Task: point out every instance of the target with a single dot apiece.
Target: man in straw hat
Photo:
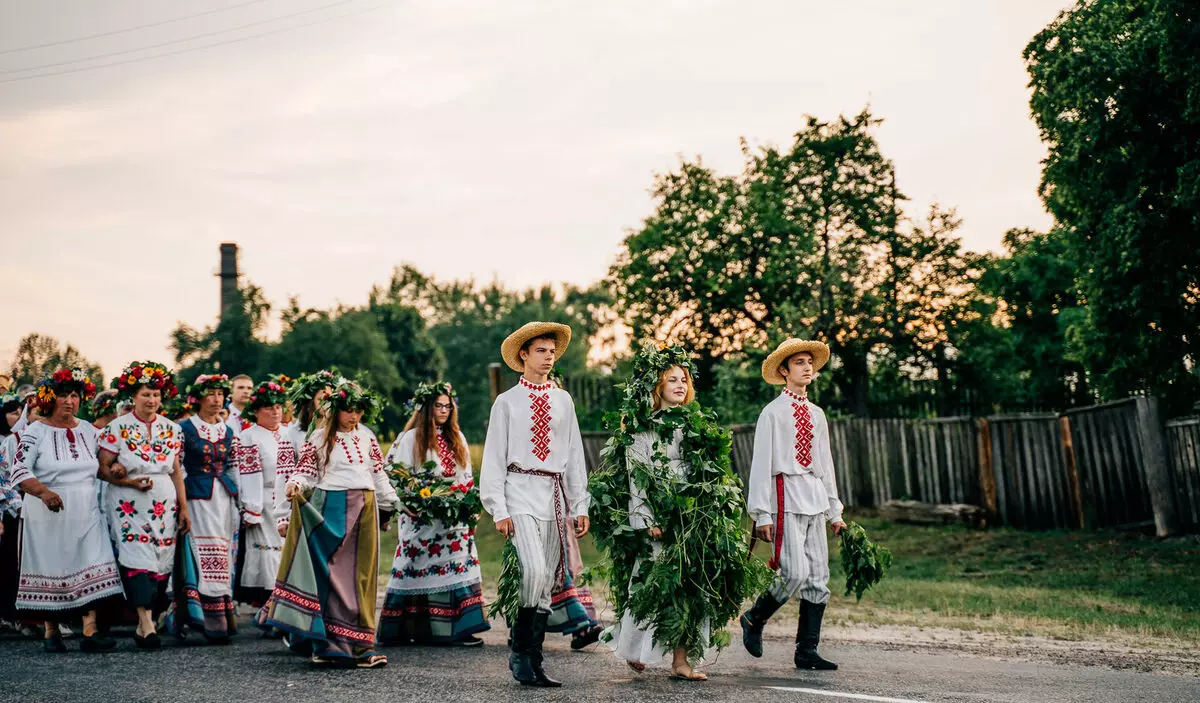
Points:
(792, 494)
(533, 481)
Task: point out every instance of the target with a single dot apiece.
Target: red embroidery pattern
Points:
(444, 456)
(213, 555)
(540, 389)
(307, 465)
(357, 450)
(804, 433)
(376, 455)
(349, 634)
(540, 437)
(248, 461)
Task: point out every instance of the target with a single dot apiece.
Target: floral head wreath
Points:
(62, 382)
(7, 399)
(307, 386)
(648, 364)
(272, 391)
(175, 408)
(353, 395)
(106, 403)
(425, 391)
(207, 383)
(145, 374)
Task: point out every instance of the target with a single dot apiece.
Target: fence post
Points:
(1068, 450)
(494, 380)
(987, 474)
(1153, 440)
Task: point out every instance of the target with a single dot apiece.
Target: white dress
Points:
(264, 459)
(631, 641)
(214, 513)
(432, 558)
(66, 559)
(142, 524)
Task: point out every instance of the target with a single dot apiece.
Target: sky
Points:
(336, 139)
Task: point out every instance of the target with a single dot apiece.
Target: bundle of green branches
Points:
(508, 588)
(704, 571)
(864, 561)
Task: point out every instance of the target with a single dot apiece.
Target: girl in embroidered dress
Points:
(203, 577)
(324, 596)
(265, 457)
(434, 595)
(10, 512)
(67, 564)
(139, 458)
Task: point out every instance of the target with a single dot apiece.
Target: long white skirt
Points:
(214, 534)
(264, 548)
(633, 642)
(142, 524)
(66, 559)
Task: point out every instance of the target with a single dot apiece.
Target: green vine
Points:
(704, 570)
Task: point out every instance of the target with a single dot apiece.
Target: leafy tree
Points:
(234, 345)
(40, 354)
(1115, 98)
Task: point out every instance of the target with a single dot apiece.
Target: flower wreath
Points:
(307, 386)
(106, 403)
(272, 391)
(353, 395)
(150, 374)
(207, 383)
(176, 407)
(425, 391)
(703, 572)
(61, 382)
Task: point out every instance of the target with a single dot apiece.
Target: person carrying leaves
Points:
(792, 493)
(534, 485)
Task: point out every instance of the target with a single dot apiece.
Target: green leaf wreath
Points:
(704, 571)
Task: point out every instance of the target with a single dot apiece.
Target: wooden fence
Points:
(1115, 465)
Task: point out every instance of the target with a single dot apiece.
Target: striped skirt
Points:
(441, 617)
(324, 597)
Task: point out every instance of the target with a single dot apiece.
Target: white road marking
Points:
(839, 694)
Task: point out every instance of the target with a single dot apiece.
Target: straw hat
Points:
(791, 347)
(511, 349)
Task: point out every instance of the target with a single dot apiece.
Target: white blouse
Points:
(535, 428)
(642, 451)
(355, 463)
(56, 456)
(265, 458)
(143, 448)
(792, 439)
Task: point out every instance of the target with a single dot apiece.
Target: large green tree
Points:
(40, 354)
(233, 346)
(1116, 95)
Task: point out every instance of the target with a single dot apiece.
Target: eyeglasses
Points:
(443, 406)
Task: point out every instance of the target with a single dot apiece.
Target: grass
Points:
(1069, 585)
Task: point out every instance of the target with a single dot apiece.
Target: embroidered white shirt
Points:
(356, 462)
(264, 460)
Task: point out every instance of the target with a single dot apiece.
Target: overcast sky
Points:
(456, 136)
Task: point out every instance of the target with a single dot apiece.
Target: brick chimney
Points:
(229, 274)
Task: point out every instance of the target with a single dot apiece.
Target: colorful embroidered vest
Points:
(204, 462)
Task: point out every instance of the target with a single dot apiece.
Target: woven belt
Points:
(560, 497)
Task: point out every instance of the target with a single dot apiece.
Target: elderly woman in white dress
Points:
(67, 565)
(434, 594)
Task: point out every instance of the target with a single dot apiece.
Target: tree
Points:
(39, 354)
(1115, 98)
(234, 345)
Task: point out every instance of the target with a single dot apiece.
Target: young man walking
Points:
(792, 494)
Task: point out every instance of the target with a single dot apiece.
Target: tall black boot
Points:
(808, 636)
(754, 619)
(535, 654)
(519, 661)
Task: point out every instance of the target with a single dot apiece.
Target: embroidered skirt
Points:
(142, 525)
(67, 564)
(203, 576)
(325, 595)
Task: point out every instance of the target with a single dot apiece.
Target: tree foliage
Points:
(40, 354)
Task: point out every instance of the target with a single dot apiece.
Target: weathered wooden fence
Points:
(1183, 440)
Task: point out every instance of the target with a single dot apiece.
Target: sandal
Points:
(636, 666)
(691, 675)
(371, 661)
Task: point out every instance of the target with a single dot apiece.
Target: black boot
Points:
(753, 621)
(535, 654)
(808, 636)
(519, 661)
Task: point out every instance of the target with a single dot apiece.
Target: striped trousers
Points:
(540, 549)
(803, 560)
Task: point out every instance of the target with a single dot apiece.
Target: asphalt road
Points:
(255, 669)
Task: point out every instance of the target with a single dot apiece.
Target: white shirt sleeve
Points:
(25, 456)
(493, 473)
(250, 474)
(575, 477)
(760, 502)
(385, 493)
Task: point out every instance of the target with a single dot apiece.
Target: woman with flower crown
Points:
(204, 567)
(324, 598)
(264, 459)
(434, 594)
(307, 393)
(680, 574)
(67, 565)
(144, 503)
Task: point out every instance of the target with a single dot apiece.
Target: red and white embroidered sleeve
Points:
(248, 460)
(306, 466)
(108, 440)
(376, 454)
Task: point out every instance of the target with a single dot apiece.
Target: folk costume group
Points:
(173, 512)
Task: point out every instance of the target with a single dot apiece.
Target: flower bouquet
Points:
(428, 496)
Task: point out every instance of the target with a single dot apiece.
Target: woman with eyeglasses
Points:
(434, 594)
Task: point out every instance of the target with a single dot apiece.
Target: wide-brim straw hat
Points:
(791, 347)
(511, 349)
